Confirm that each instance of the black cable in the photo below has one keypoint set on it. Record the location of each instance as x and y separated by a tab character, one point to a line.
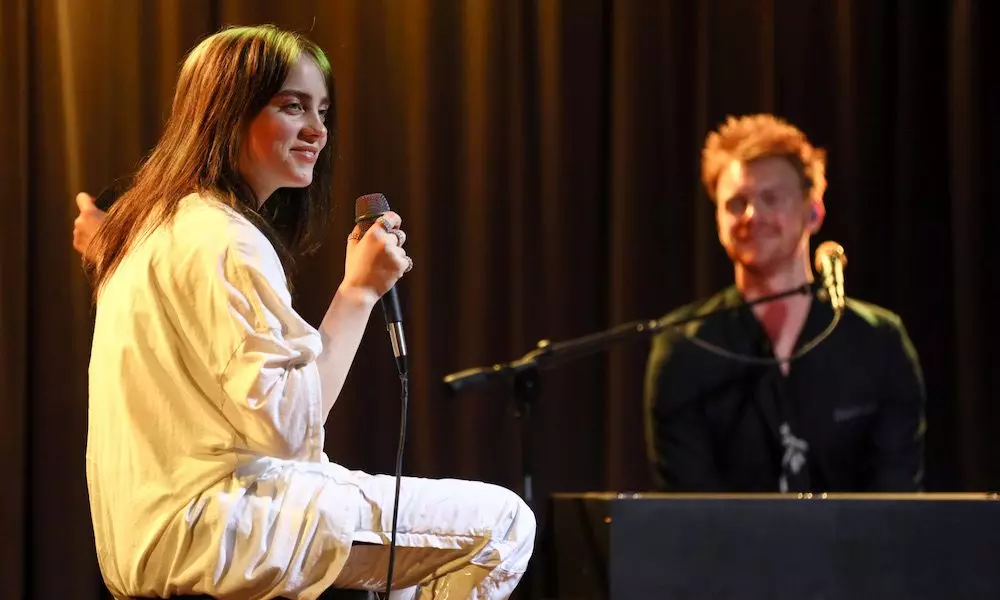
405	393
759	360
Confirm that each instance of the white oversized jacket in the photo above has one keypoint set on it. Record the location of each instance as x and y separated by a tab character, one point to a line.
205	460
206	419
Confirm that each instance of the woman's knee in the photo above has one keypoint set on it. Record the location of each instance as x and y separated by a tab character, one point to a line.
519	517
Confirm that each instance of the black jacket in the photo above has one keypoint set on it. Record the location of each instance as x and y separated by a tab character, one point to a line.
857	400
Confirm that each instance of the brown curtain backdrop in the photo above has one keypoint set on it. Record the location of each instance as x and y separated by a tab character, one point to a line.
544	156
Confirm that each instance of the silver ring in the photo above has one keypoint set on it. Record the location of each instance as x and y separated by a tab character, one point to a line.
400	237
386	224
410	265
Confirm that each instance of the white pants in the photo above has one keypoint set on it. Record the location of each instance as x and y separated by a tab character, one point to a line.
455	539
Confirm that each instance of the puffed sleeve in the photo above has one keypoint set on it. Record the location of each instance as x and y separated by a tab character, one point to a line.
236	318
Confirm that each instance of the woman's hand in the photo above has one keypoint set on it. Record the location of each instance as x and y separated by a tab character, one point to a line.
87	222
375	259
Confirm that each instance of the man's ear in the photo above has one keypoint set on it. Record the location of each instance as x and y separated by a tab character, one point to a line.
817	213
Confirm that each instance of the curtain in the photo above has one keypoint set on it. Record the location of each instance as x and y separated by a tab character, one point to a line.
544	155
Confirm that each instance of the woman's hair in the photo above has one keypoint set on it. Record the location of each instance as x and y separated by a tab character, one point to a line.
224	83
751	137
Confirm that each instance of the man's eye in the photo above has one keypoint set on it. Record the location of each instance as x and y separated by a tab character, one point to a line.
736	206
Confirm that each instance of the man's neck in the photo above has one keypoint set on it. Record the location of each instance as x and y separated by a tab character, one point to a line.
782	319
754	284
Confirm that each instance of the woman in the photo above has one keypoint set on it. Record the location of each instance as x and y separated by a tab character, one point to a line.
208	393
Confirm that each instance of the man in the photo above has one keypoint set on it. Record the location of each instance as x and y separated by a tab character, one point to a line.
847	416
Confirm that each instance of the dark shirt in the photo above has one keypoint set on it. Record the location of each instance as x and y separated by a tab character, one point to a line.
856	401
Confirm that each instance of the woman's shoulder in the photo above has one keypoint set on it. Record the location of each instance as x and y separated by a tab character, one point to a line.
204	217
205	231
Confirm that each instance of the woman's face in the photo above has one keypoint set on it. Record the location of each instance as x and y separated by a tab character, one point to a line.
284	140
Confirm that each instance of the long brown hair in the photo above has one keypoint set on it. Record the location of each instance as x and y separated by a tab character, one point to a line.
224	83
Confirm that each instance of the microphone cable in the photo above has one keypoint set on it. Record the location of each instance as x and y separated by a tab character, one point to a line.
404	403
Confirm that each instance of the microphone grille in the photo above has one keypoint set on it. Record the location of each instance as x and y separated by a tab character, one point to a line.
370	206
830	249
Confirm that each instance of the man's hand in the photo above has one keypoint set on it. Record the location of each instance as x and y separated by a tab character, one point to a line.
87	222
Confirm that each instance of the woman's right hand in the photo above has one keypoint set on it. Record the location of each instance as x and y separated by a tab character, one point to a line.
375	260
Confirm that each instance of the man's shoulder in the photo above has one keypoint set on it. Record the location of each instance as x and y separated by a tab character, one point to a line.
873	316
686	316
721	299
724	298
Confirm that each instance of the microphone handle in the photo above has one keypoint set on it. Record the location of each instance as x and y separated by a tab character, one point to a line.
393	316
390	306
394	325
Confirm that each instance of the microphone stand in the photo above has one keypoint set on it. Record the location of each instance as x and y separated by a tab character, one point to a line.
523	375
523	372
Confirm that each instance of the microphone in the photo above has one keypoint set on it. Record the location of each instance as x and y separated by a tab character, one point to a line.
367	208
831	262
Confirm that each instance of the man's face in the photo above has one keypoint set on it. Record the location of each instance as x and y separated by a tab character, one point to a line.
763	215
